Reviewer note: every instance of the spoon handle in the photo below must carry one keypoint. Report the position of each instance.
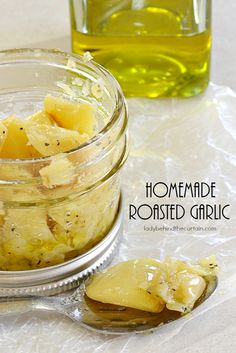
(19, 305)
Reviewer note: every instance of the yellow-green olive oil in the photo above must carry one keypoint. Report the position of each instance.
(153, 51)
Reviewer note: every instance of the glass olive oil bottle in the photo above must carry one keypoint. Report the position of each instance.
(153, 47)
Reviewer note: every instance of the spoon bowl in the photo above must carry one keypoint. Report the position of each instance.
(96, 316)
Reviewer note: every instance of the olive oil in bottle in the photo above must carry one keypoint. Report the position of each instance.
(153, 47)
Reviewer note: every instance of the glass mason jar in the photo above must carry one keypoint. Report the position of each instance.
(153, 47)
(40, 225)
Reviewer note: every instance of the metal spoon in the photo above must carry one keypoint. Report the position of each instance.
(103, 318)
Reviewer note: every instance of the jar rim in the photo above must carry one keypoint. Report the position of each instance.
(104, 73)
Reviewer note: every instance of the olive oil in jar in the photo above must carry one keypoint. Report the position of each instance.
(153, 47)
